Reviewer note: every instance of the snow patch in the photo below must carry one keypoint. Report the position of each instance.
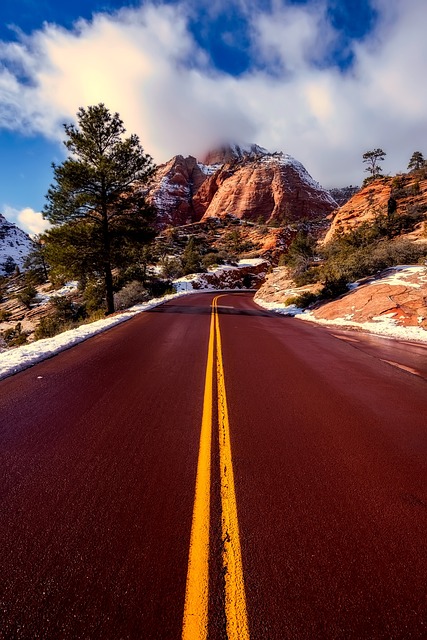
(381, 325)
(399, 276)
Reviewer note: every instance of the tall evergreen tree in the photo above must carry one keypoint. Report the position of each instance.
(96, 204)
(417, 161)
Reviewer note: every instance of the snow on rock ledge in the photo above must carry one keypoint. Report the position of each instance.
(392, 304)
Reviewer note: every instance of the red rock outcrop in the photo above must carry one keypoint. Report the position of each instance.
(247, 182)
(399, 293)
(173, 188)
(408, 190)
(272, 187)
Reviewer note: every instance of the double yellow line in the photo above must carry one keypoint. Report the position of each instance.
(195, 622)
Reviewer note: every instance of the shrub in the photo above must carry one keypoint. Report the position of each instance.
(93, 296)
(157, 288)
(66, 311)
(27, 295)
(47, 328)
(66, 315)
(4, 315)
(132, 293)
(14, 337)
(212, 259)
(302, 300)
(171, 267)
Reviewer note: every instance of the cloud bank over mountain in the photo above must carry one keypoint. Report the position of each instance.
(147, 64)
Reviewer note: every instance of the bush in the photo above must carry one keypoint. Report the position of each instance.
(47, 328)
(4, 315)
(66, 315)
(171, 268)
(93, 296)
(66, 311)
(343, 265)
(302, 300)
(27, 295)
(132, 293)
(158, 288)
(212, 259)
(15, 337)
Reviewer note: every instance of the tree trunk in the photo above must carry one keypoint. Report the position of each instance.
(109, 288)
(108, 276)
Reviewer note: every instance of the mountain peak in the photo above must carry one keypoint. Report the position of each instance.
(230, 153)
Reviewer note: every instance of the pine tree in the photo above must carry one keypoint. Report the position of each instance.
(416, 162)
(373, 159)
(191, 258)
(96, 204)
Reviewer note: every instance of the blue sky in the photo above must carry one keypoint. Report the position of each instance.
(323, 80)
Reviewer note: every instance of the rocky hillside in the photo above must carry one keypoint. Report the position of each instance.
(395, 297)
(246, 182)
(401, 195)
(341, 195)
(15, 245)
(229, 235)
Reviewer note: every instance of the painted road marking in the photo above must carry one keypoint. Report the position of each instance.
(235, 599)
(195, 621)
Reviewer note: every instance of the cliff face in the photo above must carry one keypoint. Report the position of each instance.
(407, 193)
(247, 182)
(269, 188)
(173, 188)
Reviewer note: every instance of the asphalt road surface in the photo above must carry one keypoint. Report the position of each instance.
(215, 472)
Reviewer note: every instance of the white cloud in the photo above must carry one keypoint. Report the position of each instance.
(145, 64)
(27, 219)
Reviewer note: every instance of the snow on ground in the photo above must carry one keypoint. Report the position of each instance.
(400, 276)
(45, 296)
(384, 325)
(381, 325)
(250, 262)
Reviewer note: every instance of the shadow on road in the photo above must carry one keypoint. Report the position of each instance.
(207, 311)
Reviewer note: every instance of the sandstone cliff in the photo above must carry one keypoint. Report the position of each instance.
(247, 182)
(407, 193)
(270, 188)
(173, 188)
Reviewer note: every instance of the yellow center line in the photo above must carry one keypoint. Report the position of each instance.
(235, 599)
(195, 620)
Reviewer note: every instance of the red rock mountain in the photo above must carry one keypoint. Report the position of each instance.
(247, 182)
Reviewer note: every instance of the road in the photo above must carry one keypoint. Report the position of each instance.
(215, 471)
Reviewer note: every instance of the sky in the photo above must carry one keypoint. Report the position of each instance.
(322, 80)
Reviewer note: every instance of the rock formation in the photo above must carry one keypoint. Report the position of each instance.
(408, 191)
(267, 188)
(245, 181)
(173, 188)
(399, 293)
